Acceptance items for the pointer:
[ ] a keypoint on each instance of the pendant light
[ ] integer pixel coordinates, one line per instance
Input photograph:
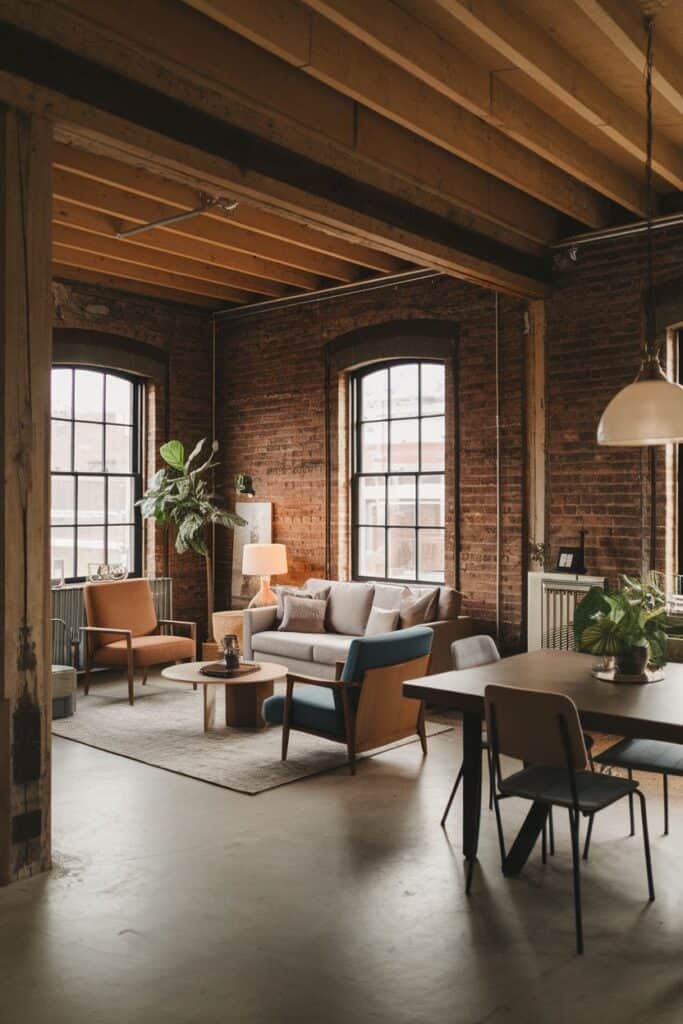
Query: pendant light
(649, 411)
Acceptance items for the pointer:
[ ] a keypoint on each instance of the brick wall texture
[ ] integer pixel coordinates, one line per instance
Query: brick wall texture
(271, 414)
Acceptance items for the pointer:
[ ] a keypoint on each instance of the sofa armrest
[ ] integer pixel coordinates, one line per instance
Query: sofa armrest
(445, 632)
(256, 620)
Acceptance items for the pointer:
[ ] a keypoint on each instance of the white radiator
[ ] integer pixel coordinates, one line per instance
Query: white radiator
(67, 604)
(552, 599)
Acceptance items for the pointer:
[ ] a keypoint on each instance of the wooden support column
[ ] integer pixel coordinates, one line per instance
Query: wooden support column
(25, 359)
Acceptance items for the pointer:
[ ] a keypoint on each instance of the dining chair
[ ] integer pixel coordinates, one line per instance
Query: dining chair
(472, 652)
(123, 631)
(364, 708)
(544, 732)
(654, 756)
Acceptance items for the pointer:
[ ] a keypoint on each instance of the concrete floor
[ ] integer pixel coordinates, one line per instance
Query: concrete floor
(329, 900)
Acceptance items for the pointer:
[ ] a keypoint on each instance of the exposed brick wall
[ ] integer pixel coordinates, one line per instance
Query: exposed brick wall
(271, 416)
(593, 335)
(180, 406)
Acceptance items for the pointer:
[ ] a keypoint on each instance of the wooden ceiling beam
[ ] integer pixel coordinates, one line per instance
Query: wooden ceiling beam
(349, 67)
(510, 32)
(418, 50)
(146, 256)
(125, 207)
(625, 31)
(222, 230)
(71, 216)
(183, 197)
(116, 267)
(78, 274)
(141, 106)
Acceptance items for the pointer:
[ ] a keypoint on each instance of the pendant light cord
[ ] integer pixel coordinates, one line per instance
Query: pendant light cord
(649, 344)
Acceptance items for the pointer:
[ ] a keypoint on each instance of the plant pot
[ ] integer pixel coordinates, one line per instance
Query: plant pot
(632, 661)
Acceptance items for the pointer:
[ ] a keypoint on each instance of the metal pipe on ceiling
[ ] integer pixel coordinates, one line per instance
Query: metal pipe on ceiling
(638, 227)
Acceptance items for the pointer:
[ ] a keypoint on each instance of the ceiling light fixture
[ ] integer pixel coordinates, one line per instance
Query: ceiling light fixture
(649, 411)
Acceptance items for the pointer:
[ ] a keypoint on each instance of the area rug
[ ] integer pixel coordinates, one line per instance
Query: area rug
(164, 729)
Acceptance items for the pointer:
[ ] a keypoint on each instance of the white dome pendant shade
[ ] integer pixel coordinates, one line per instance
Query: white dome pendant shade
(647, 412)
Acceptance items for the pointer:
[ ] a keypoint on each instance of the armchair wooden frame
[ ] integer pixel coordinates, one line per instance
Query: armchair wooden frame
(382, 716)
(88, 634)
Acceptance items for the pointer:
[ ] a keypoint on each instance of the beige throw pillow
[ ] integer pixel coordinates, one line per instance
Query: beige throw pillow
(382, 620)
(281, 591)
(417, 610)
(303, 615)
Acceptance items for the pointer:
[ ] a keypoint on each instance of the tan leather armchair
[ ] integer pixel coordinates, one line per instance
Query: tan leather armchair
(123, 631)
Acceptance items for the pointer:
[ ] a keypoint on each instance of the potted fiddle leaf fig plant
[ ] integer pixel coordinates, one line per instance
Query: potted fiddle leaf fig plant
(626, 624)
(180, 495)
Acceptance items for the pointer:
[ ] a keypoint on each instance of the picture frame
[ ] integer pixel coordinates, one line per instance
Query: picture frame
(570, 560)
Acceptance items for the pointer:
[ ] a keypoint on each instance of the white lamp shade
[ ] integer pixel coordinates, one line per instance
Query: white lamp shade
(264, 560)
(644, 413)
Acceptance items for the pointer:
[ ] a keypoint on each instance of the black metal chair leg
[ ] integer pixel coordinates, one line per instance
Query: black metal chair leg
(489, 759)
(630, 806)
(499, 827)
(665, 777)
(646, 845)
(589, 833)
(574, 826)
(544, 842)
(551, 832)
(451, 797)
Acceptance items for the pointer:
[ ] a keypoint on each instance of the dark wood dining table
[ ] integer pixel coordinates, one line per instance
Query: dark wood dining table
(645, 710)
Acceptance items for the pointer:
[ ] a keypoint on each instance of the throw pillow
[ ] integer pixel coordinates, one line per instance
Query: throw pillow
(348, 608)
(417, 610)
(302, 615)
(382, 620)
(281, 591)
(450, 603)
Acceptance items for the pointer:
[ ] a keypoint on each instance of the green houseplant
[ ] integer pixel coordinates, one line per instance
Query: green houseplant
(626, 623)
(180, 495)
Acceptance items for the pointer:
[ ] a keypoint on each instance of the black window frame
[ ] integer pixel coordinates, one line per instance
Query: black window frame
(356, 471)
(137, 466)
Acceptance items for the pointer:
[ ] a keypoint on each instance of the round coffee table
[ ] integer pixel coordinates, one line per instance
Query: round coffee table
(244, 695)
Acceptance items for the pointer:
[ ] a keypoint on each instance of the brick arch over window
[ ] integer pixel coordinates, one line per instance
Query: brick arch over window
(406, 339)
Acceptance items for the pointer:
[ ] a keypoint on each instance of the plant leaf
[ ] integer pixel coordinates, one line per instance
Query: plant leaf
(173, 453)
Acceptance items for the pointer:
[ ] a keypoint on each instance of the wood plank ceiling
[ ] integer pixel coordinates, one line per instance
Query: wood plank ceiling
(517, 122)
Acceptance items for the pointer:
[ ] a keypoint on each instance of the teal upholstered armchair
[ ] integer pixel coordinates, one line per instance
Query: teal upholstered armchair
(364, 707)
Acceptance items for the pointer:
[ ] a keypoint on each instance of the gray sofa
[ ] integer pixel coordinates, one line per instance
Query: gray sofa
(316, 654)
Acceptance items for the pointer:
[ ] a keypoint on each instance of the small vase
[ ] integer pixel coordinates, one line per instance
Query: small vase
(632, 661)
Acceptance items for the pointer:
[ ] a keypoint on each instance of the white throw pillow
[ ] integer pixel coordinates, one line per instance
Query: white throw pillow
(382, 620)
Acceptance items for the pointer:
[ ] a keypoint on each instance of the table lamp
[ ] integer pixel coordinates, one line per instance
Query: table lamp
(264, 560)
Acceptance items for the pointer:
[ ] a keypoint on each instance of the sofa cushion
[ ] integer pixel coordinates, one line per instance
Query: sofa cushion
(348, 608)
(292, 645)
(331, 648)
(303, 615)
(312, 708)
(387, 596)
(449, 604)
(382, 620)
(417, 610)
(281, 591)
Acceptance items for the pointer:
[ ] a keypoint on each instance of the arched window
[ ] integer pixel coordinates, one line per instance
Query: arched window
(398, 471)
(96, 470)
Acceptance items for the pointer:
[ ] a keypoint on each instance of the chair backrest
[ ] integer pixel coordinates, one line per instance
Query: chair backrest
(526, 725)
(473, 651)
(382, 663)
(127, 604)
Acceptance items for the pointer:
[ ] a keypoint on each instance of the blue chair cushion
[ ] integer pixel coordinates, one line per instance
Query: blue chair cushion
(313, 707)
